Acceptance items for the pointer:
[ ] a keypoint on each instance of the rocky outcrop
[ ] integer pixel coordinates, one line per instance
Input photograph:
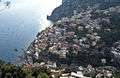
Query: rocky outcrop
(63, 1)
(66, 9)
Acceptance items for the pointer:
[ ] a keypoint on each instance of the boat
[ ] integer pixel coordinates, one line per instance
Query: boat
(16, 49)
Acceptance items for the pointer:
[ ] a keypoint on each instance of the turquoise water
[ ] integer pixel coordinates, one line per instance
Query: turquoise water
(20, 23)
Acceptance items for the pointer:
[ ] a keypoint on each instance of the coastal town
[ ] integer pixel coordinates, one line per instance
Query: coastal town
(81, 39)
(79, 34)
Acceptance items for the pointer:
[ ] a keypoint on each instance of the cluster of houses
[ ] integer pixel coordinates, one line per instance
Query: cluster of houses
(86, 72)
(116, 51)
(82, 72)
(55, 40)
(111, 9)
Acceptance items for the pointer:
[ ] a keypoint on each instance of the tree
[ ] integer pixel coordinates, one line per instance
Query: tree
(38, 70)
(10, 71)
(8, 75)
(117, 75)
(29, 76)
(42, 75)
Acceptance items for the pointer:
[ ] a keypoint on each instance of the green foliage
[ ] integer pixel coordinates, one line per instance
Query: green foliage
(93, 59)
(106, 5)
(1, 62)
(117, 75)
(110, 37)
(58, 76)
(58, 68)
(29, 76)
(60, 25)
(42, 75)
(8, 75)
(54, 57)
(10, 71)
(37, 60)
(37, 70)
(96, 15)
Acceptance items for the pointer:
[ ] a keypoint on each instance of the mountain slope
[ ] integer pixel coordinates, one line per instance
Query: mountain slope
(67, 8)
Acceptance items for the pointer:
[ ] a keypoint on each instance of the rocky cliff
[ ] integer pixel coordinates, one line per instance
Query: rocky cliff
(68, 6)
(63, 1)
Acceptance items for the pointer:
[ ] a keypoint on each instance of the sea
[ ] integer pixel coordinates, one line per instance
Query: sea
(20, 21)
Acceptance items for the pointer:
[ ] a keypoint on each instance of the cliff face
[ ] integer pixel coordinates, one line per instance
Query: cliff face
(63, 1)
(66, 9)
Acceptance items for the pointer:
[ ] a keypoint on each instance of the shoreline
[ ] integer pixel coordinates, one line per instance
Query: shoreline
(22, 58)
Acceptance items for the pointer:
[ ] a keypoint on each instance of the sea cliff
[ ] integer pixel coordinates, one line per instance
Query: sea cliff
(68, 7)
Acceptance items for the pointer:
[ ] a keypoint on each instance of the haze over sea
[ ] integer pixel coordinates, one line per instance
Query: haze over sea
(20, 23)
